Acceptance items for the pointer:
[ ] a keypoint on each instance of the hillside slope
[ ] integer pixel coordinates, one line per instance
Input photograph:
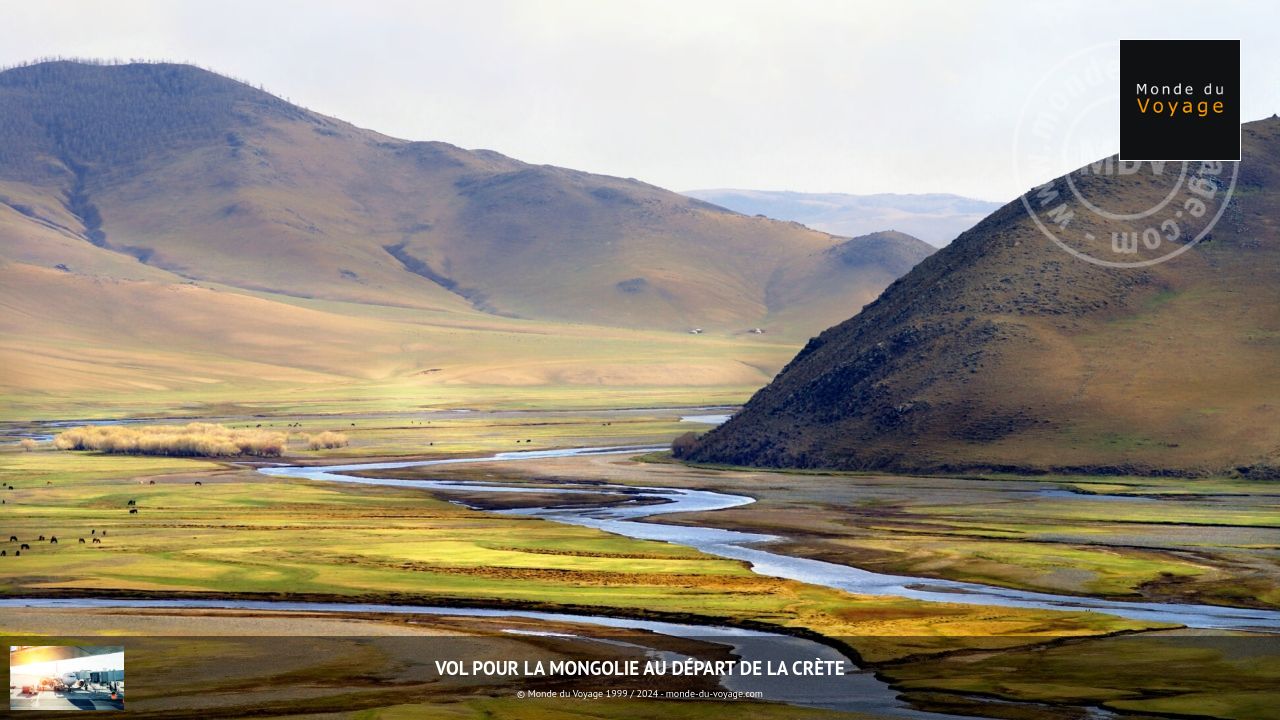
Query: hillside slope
(168, 171)
(1002, 351)
(850, 274)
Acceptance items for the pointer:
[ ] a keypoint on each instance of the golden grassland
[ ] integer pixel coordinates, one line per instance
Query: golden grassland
(327, 440)
(463, 432)
(82, 346)
(441, 432)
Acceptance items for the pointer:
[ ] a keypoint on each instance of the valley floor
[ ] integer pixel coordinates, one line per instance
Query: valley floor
(1214, 541)
(242, 534)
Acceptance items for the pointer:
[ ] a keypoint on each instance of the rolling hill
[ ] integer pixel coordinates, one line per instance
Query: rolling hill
(206, 178)
(936, 218)
(166, 229)
(1003, 352)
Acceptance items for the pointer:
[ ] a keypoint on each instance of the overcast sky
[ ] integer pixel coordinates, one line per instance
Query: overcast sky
(810, 96)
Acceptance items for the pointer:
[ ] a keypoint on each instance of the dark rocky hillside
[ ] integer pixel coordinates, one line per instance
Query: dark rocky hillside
(1002, 351)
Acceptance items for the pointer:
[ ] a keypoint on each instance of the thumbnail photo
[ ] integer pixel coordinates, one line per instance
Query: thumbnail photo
(66, 677)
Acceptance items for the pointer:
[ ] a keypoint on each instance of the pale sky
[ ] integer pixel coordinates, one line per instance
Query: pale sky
(856, 97)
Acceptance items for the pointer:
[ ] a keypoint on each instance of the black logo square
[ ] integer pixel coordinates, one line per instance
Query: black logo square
(1179, 99)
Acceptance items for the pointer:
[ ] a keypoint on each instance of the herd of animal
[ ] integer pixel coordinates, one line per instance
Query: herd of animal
(53, 539)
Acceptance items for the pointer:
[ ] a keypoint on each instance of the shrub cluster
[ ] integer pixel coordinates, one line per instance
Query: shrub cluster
(191, 440)
(326, 441)
(683, 445)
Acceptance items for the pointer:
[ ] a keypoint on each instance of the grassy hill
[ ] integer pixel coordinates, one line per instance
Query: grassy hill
(1002, 351)
(169, 230)
(210, 179)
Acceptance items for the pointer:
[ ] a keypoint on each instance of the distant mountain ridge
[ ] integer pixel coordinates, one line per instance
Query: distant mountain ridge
(205, 178)
(1004, 352)
(936, 218)
(166, 229)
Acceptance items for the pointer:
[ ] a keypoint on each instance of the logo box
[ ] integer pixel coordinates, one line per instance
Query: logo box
(1180, 100)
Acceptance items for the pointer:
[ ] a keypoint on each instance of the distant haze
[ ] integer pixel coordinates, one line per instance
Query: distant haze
(816, 96)
(935, 218)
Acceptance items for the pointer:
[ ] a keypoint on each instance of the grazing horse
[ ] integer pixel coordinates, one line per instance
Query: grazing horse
(93, 531)
(96, 541)
(13, 538)
(24, 546)
(81, 541)
(199, 483)
(41, 538)
(133, 511)
(133, 502)
(151, 482)
(53, 540)
(3, 553)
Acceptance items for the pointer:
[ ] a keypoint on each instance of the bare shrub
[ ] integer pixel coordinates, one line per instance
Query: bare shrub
(327, 441)
(27, 444)
(191, 440)
(681, 446)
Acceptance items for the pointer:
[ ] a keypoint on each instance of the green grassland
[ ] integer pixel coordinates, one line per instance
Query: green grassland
(1215, 540)
(1177, 674)
(241, 533)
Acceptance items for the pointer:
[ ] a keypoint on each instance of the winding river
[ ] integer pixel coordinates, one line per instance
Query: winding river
(859, 691)
(626, 519)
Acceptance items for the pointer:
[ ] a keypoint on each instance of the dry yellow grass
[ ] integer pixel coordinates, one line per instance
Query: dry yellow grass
(191, 440)
(104, 343)
(327, 440)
